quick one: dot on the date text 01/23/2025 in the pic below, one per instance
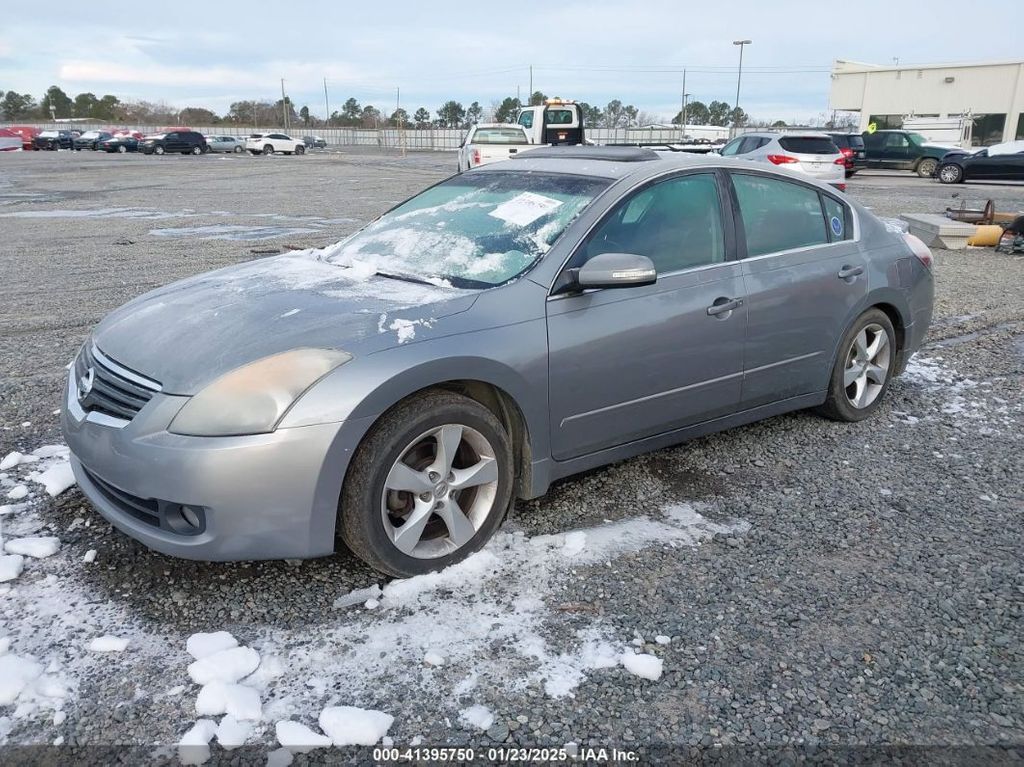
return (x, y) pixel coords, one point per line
(503, 754)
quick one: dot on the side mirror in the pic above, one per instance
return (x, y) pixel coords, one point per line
(611, 270)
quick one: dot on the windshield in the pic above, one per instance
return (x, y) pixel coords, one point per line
(474, 230)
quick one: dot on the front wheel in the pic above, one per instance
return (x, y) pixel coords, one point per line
(197, 150)
(238, 150)
(428, 486)
(158, 150)
(863, 368)
(122, 149)
(927, 167)
(268, 149)
(300, 149)
(951, 174)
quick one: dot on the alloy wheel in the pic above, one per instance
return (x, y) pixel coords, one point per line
(867, 366)
(440, 491)
(949, 174)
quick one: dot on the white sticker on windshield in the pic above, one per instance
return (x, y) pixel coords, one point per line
(525, 208)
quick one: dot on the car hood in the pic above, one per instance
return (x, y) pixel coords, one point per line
(187, 334)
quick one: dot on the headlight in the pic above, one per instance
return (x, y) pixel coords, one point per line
(254, 398)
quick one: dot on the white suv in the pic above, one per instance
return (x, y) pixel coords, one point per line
(812, 154)
(268, 143)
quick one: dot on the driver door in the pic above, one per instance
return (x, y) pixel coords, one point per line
(630, 363)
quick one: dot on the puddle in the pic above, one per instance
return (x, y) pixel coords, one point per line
(13, 198)
(228, 232)
(964, 337)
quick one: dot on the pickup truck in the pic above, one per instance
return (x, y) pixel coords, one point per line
(492, 142)
(903, 150)
(555, 122)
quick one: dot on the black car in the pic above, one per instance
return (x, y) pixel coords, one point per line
(315, 142)
(181, 142)
(54, 139)
(90, 139)
(855, 157)
(983, 165)
(120, 144)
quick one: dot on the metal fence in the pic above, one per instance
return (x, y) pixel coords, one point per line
(412, 139)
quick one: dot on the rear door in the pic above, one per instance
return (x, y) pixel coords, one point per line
(803, 274)
(630, 363)
(172, 142)
(898, 152)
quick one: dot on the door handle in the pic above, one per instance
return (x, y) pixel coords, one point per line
(723, 305)
(850, 271)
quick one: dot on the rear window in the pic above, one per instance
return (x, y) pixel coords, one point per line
(559, 117)
(808, 145)
(499, 136)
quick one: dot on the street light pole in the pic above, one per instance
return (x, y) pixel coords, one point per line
(739, 75)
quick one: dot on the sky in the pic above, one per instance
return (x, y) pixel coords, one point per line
(210, 55)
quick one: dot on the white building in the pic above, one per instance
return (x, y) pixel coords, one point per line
(990, 93)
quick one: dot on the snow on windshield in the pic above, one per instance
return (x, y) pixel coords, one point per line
(479, 229)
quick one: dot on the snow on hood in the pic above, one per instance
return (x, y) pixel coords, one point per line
(188, 333)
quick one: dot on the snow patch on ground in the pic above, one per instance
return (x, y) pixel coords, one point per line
(36, 547)
(477, 716)
(351, 726)
(108, 643)
(957, 396)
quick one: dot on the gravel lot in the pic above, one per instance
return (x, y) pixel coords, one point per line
(810, 582)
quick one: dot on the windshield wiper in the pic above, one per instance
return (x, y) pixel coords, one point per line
(405, 278)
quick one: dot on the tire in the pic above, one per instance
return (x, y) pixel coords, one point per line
(300, 149)
(121, 149)
(410, 434)
(253, 152)
(268, 149)
(158, 149)
(197, 150)
(238, 150)
(927, 167)
(859, 360)
(851, 173)
(951, 174)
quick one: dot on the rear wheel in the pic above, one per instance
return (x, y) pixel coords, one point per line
(121, 148)
(300, 149)
(863, 368)
(238, 150)
(951, 174)
(927, 167)
(428, 486)
(197, 150)
(268, 149)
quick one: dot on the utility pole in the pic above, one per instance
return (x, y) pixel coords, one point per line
(327, 104)
(682, 111)
(531, 83)
(284, 106)
(739, 76)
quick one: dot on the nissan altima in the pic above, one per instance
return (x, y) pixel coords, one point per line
(509, 326)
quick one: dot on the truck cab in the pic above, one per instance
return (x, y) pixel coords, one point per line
(554, 122)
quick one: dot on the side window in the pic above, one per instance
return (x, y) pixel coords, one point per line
(837, 219)
(171, 137)
(526, 119)
(778, 215)
(731, 148)
(676, 223)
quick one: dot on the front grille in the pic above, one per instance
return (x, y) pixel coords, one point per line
(143, 509)
(104, 386)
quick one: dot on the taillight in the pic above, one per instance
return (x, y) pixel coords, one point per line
(840, 187)
(919, 249)
(847, 152)
(781, 159)
(476, 156)
(841, 160)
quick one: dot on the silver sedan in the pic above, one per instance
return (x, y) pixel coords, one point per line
(510, 326)
(225, 144)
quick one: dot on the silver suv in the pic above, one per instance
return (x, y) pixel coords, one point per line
(812, 154)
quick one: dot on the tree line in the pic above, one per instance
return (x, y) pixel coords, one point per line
(56, 104)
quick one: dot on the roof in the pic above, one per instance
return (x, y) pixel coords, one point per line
(842, 67)
(603, 153)
(601, 162)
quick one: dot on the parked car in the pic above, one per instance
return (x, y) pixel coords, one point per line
(268, 143)
(903, 150)
(90, 139)
(27, 134)
(314, 142)
(54, 139)
(492, 142)
(225, 144)
(851, 145)
(10, 141)
(1000, 162)
(183, 142)
(509, 326)
(120, 144)
(811, 154)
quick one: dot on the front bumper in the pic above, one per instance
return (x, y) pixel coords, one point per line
(264, 496)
